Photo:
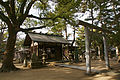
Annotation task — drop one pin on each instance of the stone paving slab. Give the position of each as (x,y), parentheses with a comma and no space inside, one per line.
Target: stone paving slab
(77,67)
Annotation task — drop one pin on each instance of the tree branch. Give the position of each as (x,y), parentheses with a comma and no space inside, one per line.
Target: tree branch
(32,16)
(12,13)
(73,38)
(3,28)
(29,6)
(23,16)
(10,9)
(118,16)
(88,25)
(5,4)
(41,1)
(26,30)
(22,6)
(4,18)
(1,2)
(12,4)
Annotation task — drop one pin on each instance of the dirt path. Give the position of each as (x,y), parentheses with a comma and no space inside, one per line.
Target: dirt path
(61,73)
(55,73)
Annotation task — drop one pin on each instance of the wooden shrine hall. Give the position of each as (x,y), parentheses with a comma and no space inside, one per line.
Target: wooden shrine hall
(52,45)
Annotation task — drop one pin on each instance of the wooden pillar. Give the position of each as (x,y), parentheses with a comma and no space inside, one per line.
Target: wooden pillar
(38,49)
(44,55)
(98,51)
(106,53)
(37,53)
(43,46)
(33,47)
(117,54)
(67,52)
(87,49)
(62,53)
(0,38)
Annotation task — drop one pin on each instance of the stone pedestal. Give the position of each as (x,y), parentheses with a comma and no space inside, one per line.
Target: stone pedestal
(37,64)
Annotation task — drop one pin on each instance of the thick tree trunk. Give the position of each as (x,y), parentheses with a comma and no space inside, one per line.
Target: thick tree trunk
(7,64)
(106,53)
(87,53)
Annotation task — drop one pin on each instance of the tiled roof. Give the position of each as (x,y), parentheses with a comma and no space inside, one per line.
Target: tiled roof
(47,38)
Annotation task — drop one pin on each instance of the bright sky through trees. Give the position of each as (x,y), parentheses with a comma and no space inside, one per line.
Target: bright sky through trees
(33,11)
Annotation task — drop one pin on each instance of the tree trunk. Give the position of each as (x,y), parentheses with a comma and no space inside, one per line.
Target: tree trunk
(87,54)
(66,33)
(106,53)
(102,52)
(118,54)
(0,38)
(7,64)
(98,51)
(73,38)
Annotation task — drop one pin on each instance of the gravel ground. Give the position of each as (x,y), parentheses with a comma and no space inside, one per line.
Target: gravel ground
(62,73)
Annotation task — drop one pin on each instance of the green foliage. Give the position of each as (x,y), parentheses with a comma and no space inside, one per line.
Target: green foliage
(3,36)
(63,15)
(103,13)
(20,0)
(19,44)
(30,23)
(81,39)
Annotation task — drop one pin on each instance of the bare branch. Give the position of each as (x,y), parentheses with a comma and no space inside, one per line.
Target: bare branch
(28,29)
(10,9)
(22,6)
(32,16)
(4,18)
(23,16)
(29,6)
(3,28)
(12,4)
(118,16)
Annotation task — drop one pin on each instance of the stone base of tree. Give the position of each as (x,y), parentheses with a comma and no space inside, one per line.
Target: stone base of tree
(8,69)
(35,65)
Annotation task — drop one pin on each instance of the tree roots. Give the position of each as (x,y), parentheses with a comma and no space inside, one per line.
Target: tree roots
(8,69)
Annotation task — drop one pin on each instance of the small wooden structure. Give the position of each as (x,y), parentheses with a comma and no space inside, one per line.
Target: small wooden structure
(51,44)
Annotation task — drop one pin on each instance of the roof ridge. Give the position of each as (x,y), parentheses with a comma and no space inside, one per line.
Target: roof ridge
(47,34)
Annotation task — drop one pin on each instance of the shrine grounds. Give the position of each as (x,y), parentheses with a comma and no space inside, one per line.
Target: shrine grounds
(52,72)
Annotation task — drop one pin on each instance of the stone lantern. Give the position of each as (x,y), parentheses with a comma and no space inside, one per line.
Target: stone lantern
(44,57)
(70,57)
